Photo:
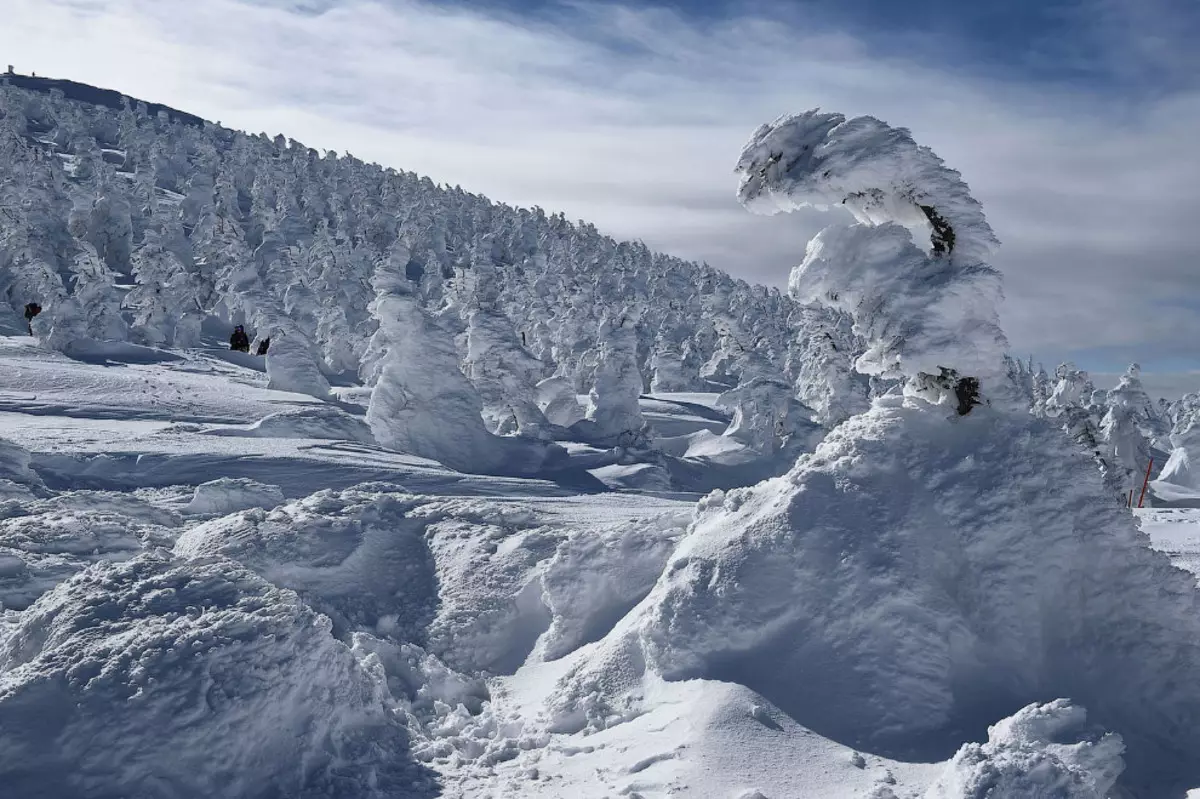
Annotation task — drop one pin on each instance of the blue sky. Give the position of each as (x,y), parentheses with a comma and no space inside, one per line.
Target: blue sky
(1073,121)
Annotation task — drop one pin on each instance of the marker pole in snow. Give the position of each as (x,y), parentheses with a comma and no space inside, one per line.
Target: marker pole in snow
(1129,503)
(1145,483)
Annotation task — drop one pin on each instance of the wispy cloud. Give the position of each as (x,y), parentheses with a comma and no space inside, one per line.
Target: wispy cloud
(632,118)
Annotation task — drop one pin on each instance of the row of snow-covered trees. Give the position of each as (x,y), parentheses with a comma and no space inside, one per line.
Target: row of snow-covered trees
(1121,428)
(129,226)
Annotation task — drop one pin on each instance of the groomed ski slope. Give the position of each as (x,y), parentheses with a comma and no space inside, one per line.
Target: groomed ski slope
(477,596)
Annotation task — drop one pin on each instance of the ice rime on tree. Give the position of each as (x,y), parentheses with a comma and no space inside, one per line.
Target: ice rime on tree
(934,564)
(210,222)
(928,316)
(423,404)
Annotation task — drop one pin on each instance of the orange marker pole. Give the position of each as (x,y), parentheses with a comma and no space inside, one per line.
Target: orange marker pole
(1145,482)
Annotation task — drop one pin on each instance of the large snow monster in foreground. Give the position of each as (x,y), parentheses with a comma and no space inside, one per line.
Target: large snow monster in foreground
(941,560)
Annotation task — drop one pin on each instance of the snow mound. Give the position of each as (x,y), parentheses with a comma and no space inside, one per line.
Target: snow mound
(358,556)
(192,679)
(316,421)
(511,587)
(231,494)
(1024,756)
(14,465)
(1178,470)
(556,398)
(595,579)
(916,605)
(47,541)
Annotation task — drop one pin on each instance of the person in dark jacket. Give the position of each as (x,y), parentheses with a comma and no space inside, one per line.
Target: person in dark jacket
(32,309)
(239,341)
(263,346)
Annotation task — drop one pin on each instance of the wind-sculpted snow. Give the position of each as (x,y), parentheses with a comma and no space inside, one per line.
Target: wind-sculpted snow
(877,171)
(157,677)
(17,478)
(919,312)
(358,556)
(315,421)
(230,494)
(927,568)
(46,541)
(1026,755)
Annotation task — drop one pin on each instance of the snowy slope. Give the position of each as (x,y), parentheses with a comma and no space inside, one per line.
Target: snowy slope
(432,581)
(213,586)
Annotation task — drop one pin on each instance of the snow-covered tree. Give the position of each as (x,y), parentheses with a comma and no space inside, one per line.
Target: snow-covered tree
(424,405)
(503,372)
(613,408)
(268,231)
(165,301)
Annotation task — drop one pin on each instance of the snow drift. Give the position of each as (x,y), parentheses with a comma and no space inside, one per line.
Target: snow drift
(230,494)
(160,678)
(315,421)
(358,556)
(1025,756)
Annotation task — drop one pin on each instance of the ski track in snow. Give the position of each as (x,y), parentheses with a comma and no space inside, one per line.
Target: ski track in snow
(121,447)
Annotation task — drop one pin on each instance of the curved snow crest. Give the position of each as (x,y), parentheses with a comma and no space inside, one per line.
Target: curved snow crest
(313,421)
(821,159)
(1025,756)
(195,675)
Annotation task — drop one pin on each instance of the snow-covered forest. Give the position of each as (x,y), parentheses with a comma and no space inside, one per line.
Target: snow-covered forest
(507,508)
(168,222)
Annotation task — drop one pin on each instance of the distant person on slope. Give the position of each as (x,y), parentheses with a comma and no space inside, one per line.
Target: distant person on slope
(239,341)
(263,346)
(31,310)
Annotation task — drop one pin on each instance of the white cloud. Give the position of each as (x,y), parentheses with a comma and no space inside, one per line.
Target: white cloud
(632,119)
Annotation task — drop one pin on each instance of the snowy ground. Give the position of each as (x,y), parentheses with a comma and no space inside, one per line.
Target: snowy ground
(476,596)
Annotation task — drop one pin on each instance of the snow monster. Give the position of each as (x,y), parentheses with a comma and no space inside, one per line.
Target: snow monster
(941,560)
